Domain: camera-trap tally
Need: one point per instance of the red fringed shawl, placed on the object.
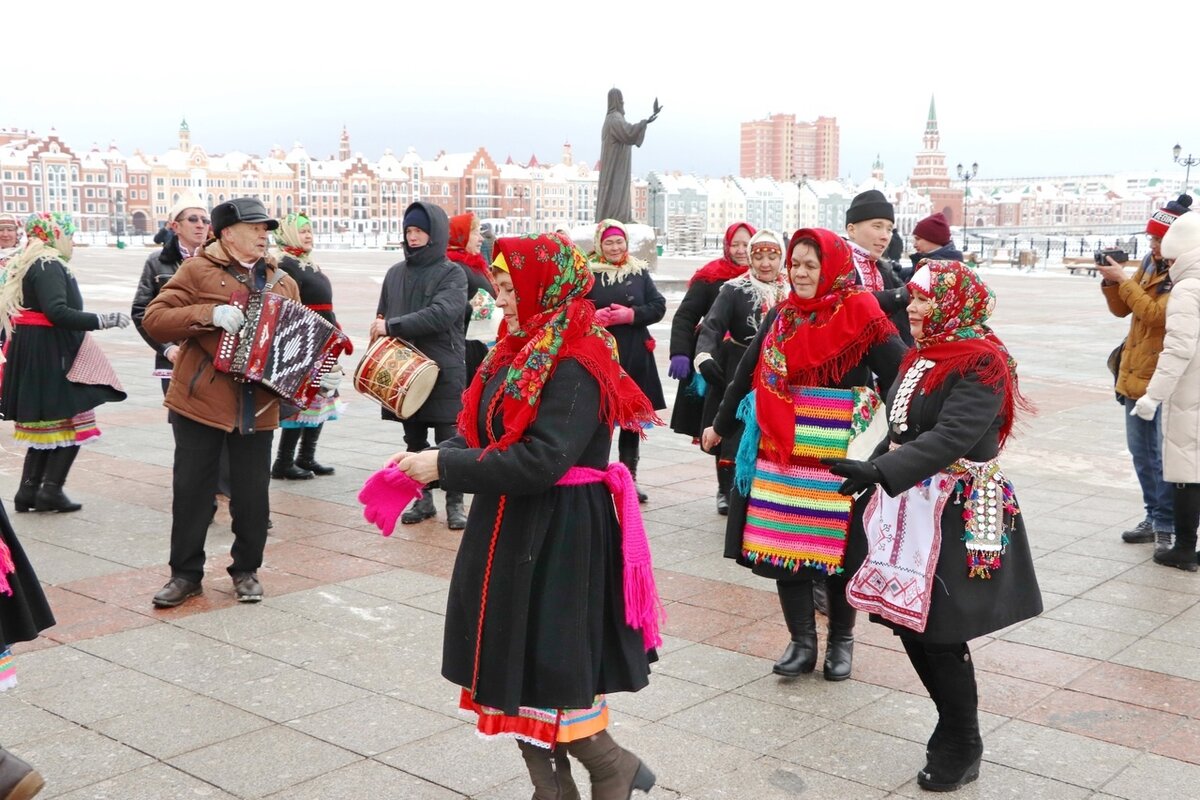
(551, 278)
(957, 340)
(723, 268)
(814, 342)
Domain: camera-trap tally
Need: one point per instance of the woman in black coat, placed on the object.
(423, 301)
(56, 374)
(627, 304)
(816, 355)
(537, 625)
(964, 546)
(729, 327)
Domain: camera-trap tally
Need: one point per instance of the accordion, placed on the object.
(283, 346)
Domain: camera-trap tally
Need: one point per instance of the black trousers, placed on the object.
(197, 455)
(416, 434)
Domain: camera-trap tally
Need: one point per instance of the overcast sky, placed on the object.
(1024, 88)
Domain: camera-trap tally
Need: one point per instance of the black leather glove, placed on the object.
(712, 371)
(859, 475)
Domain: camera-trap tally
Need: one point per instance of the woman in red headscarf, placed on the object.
(551, 603)
(813, 368)
(481, 321)
(687, 415)
(947, 555)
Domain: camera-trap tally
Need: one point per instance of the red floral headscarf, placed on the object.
(814, 341)
(461, 226)
(956, 336)
(551, 279)
(723, 268)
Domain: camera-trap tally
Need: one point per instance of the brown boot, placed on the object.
(615, 772)
(18, 780)
(550, 772)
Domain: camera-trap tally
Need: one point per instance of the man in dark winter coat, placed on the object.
(423, 301)
(186, 233)
(931, 239)
(870, 221)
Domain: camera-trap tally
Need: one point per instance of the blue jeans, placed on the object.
(1144, 440)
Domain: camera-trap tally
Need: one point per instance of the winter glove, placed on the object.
(680, 369)
(603, 317)
(1145, 408)
(859, 475)
(331, 380)
(620, 315)
(112, 319)
(228, 317)
(712, 371)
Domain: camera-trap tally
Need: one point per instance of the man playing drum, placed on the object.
(423, 301)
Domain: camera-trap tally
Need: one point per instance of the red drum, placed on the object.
(283, 347)
(396, 375)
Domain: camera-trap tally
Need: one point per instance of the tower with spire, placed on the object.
(344, 145)
(185, 137)
(930, 177)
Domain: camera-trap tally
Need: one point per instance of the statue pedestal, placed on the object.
(643, 242)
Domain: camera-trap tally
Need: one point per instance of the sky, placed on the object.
(1026, 89)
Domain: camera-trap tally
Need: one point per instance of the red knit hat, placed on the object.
(934, 228)
(1161, 220)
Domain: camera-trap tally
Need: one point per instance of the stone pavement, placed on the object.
(330, 688)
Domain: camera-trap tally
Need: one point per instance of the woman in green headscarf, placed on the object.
(56, 374)
(294, 237)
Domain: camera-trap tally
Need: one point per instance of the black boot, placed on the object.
(627, 454)
(839, 644)
(285, 458)
(31, 479)
(800, 657)
(920, 662)
(50, 496)
(308, 452)
(456, 515)
(615, 772)
(421, 509)
(1187, 518)
(956, 758)
(18, 780)
(724, 482)
(549, 771)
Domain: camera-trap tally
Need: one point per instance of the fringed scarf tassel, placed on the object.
(747, 452)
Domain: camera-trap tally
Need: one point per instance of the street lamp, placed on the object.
(1188, 162)
(965, 176)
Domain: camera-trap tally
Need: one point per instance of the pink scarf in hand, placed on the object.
(385, 495)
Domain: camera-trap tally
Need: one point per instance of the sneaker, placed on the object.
(1140, 534)
(247, 587)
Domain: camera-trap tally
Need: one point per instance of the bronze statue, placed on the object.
(613, 197)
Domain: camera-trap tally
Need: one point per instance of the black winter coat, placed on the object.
(35, 387)
(947, 252)
(315, 288)
(159, 268)
(554, 632)
(634, 342)
(882, 361)
(687, 415)
(959, 419)
(423, 301)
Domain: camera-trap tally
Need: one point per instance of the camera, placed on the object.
(1118, 255)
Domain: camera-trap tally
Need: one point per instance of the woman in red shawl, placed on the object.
(481, 321)
(687, 415)
(551, 603)
(948, 559)
(813, 369)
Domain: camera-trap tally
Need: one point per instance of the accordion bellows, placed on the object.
(283, 346)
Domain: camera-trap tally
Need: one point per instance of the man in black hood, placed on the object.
(422, 301)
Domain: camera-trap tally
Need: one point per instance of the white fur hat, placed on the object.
(766, 237)
(186, 200)
(1183, 236)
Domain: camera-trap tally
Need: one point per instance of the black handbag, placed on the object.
(1114, 366)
